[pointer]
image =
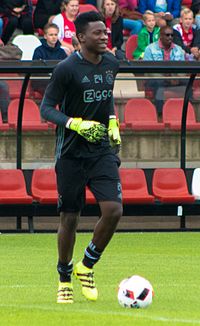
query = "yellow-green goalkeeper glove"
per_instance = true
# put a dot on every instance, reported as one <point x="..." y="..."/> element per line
<point x="92" y="131"/>
<point x="113" y="132"/>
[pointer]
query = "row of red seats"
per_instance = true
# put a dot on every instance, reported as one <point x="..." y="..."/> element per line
<point x="141" y="114"/>
<point x="31" y="117"/>
<point x="168" y="186"/>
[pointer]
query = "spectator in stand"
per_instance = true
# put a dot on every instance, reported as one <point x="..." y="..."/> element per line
<point x="186" y="36"/>
<point x="49" y="50"/>
<point x="45" y="11"/>
<point x="195" y="7"/>
<point x="150" y="33"/>
<point x="7" y="52"/>
<point x="65" y="23"/>
<point x="16" y="14"/>
<point x="114" y="26"/>
<point x="76" y="44"/>
<point x="132" y="19"/>
<point x="166" y="11"/>
<point x="51" y="47"/>
<point x="163" y="50"/>
<point x="1" y="19"/>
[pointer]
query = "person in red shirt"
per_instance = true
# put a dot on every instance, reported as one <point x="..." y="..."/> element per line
<point x="186" y="36"/>
<point x="65" y="23"/>
<point x="114" y="25"/>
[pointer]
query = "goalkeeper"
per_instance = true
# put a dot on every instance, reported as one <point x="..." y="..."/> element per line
<point x="86" y="151"/>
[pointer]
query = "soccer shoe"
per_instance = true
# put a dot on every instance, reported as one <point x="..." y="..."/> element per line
<point x="65" y="293"/>
<point x="86" y="276"/>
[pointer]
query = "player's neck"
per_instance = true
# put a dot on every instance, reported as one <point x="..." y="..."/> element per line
<point x="91" y="57"/>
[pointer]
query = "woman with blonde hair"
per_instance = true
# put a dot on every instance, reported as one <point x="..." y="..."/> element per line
<point x="65" y="23"/>
<point x="114" y="24"/>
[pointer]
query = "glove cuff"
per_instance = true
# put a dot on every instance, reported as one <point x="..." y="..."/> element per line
<point x="75" y="123"/>
<point x="113" y="123"/>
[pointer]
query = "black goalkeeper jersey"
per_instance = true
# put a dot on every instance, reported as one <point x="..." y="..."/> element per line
<point x="80" y="89"/>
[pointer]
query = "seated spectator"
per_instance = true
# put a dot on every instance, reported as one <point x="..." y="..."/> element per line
<point x="132" y="19"/>
<point x="49" y="50"/>
<point x="114" y="25"/>
<point x="45" y="11"/>
<point x="195" y="7"/>
<point x="150" y="33"/>
<point x="16" y="14"/>
<point x="163" y="50"/>
<point x="7" y="52"/>
<point x="165" y="10"/>
<point x="51" y="47"/>
<point x="76" y="44"/>
<point x="1" y="20"/>
<point x="186" y="36"/>
<point x="65" y="23"/>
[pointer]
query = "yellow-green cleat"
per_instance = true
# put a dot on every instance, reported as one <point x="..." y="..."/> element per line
<point x="86" y="276"/>
<point x="65" y="293"/>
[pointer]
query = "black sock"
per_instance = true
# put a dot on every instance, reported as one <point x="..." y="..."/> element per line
<point x="65" y="271"/>
<point x="92" y="255"/>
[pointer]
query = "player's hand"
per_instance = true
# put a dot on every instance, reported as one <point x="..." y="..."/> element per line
<point x="92" y="131"/>
<point x="113" y="132"/>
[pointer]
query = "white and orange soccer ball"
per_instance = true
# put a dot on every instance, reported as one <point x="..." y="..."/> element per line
<point x="135" y="292"/>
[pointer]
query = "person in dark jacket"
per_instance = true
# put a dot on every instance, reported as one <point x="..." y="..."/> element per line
<point x="114" y="25"/>
<point x="186" y="36"/>
<point x="51" y="47"/>
<point x="16" y="14"/>
<point x="49" y="50"/>
<point x="45" y="11"/>
<point x="195" y="7"/>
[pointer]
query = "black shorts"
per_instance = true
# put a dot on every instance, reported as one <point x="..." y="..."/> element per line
<point x="100" y="174"/>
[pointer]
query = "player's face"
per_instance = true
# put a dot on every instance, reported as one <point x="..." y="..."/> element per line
<point x="150" y="22"/>
<point x="109" y="7"/>
<point x="187" y="20"/>
<point x="72" y="8"/>
<point x="95" y="38"/>
<point x="51" y="36"/>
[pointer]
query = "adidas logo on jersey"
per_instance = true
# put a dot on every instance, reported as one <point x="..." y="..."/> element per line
<point x="85" y="80"/>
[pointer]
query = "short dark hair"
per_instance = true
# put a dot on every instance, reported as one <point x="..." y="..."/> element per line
<point x="163" y="29"/>
<point x="50" y="25"/>
<point x="83" y="19"/>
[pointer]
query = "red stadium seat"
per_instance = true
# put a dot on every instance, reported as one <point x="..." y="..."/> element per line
<point x="90" y="199"/>
<point x="31" y="116"/>
<point x="13" y="188"/>
<point x="3" y="126"/>
<point x="14" y="85"/>
<point x="170" y="186"/>
<point x="44" y="187"/>
<point x="134" y="187"/>
<point x="172" y="115"/>
<point x="186" y="3"/>
<point x="140" y="114"/>
<point x="87" y="7"/>
<point x="131" y="45"/>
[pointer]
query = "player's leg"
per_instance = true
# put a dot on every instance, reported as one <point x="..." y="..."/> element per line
<point x="107" y="190"/>
<point x="70" y="189"/>
<point x="106" y="226"/>
<point x="66" y="241"/>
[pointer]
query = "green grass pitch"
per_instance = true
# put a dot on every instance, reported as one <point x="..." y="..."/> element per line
<point x="170" y="261"/>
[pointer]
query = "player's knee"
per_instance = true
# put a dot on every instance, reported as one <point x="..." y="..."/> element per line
<point x="69" y="220"/>
<point x="115" y="213"/>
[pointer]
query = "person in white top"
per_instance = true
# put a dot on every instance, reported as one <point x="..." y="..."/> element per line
<point x="65" y="22"/>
